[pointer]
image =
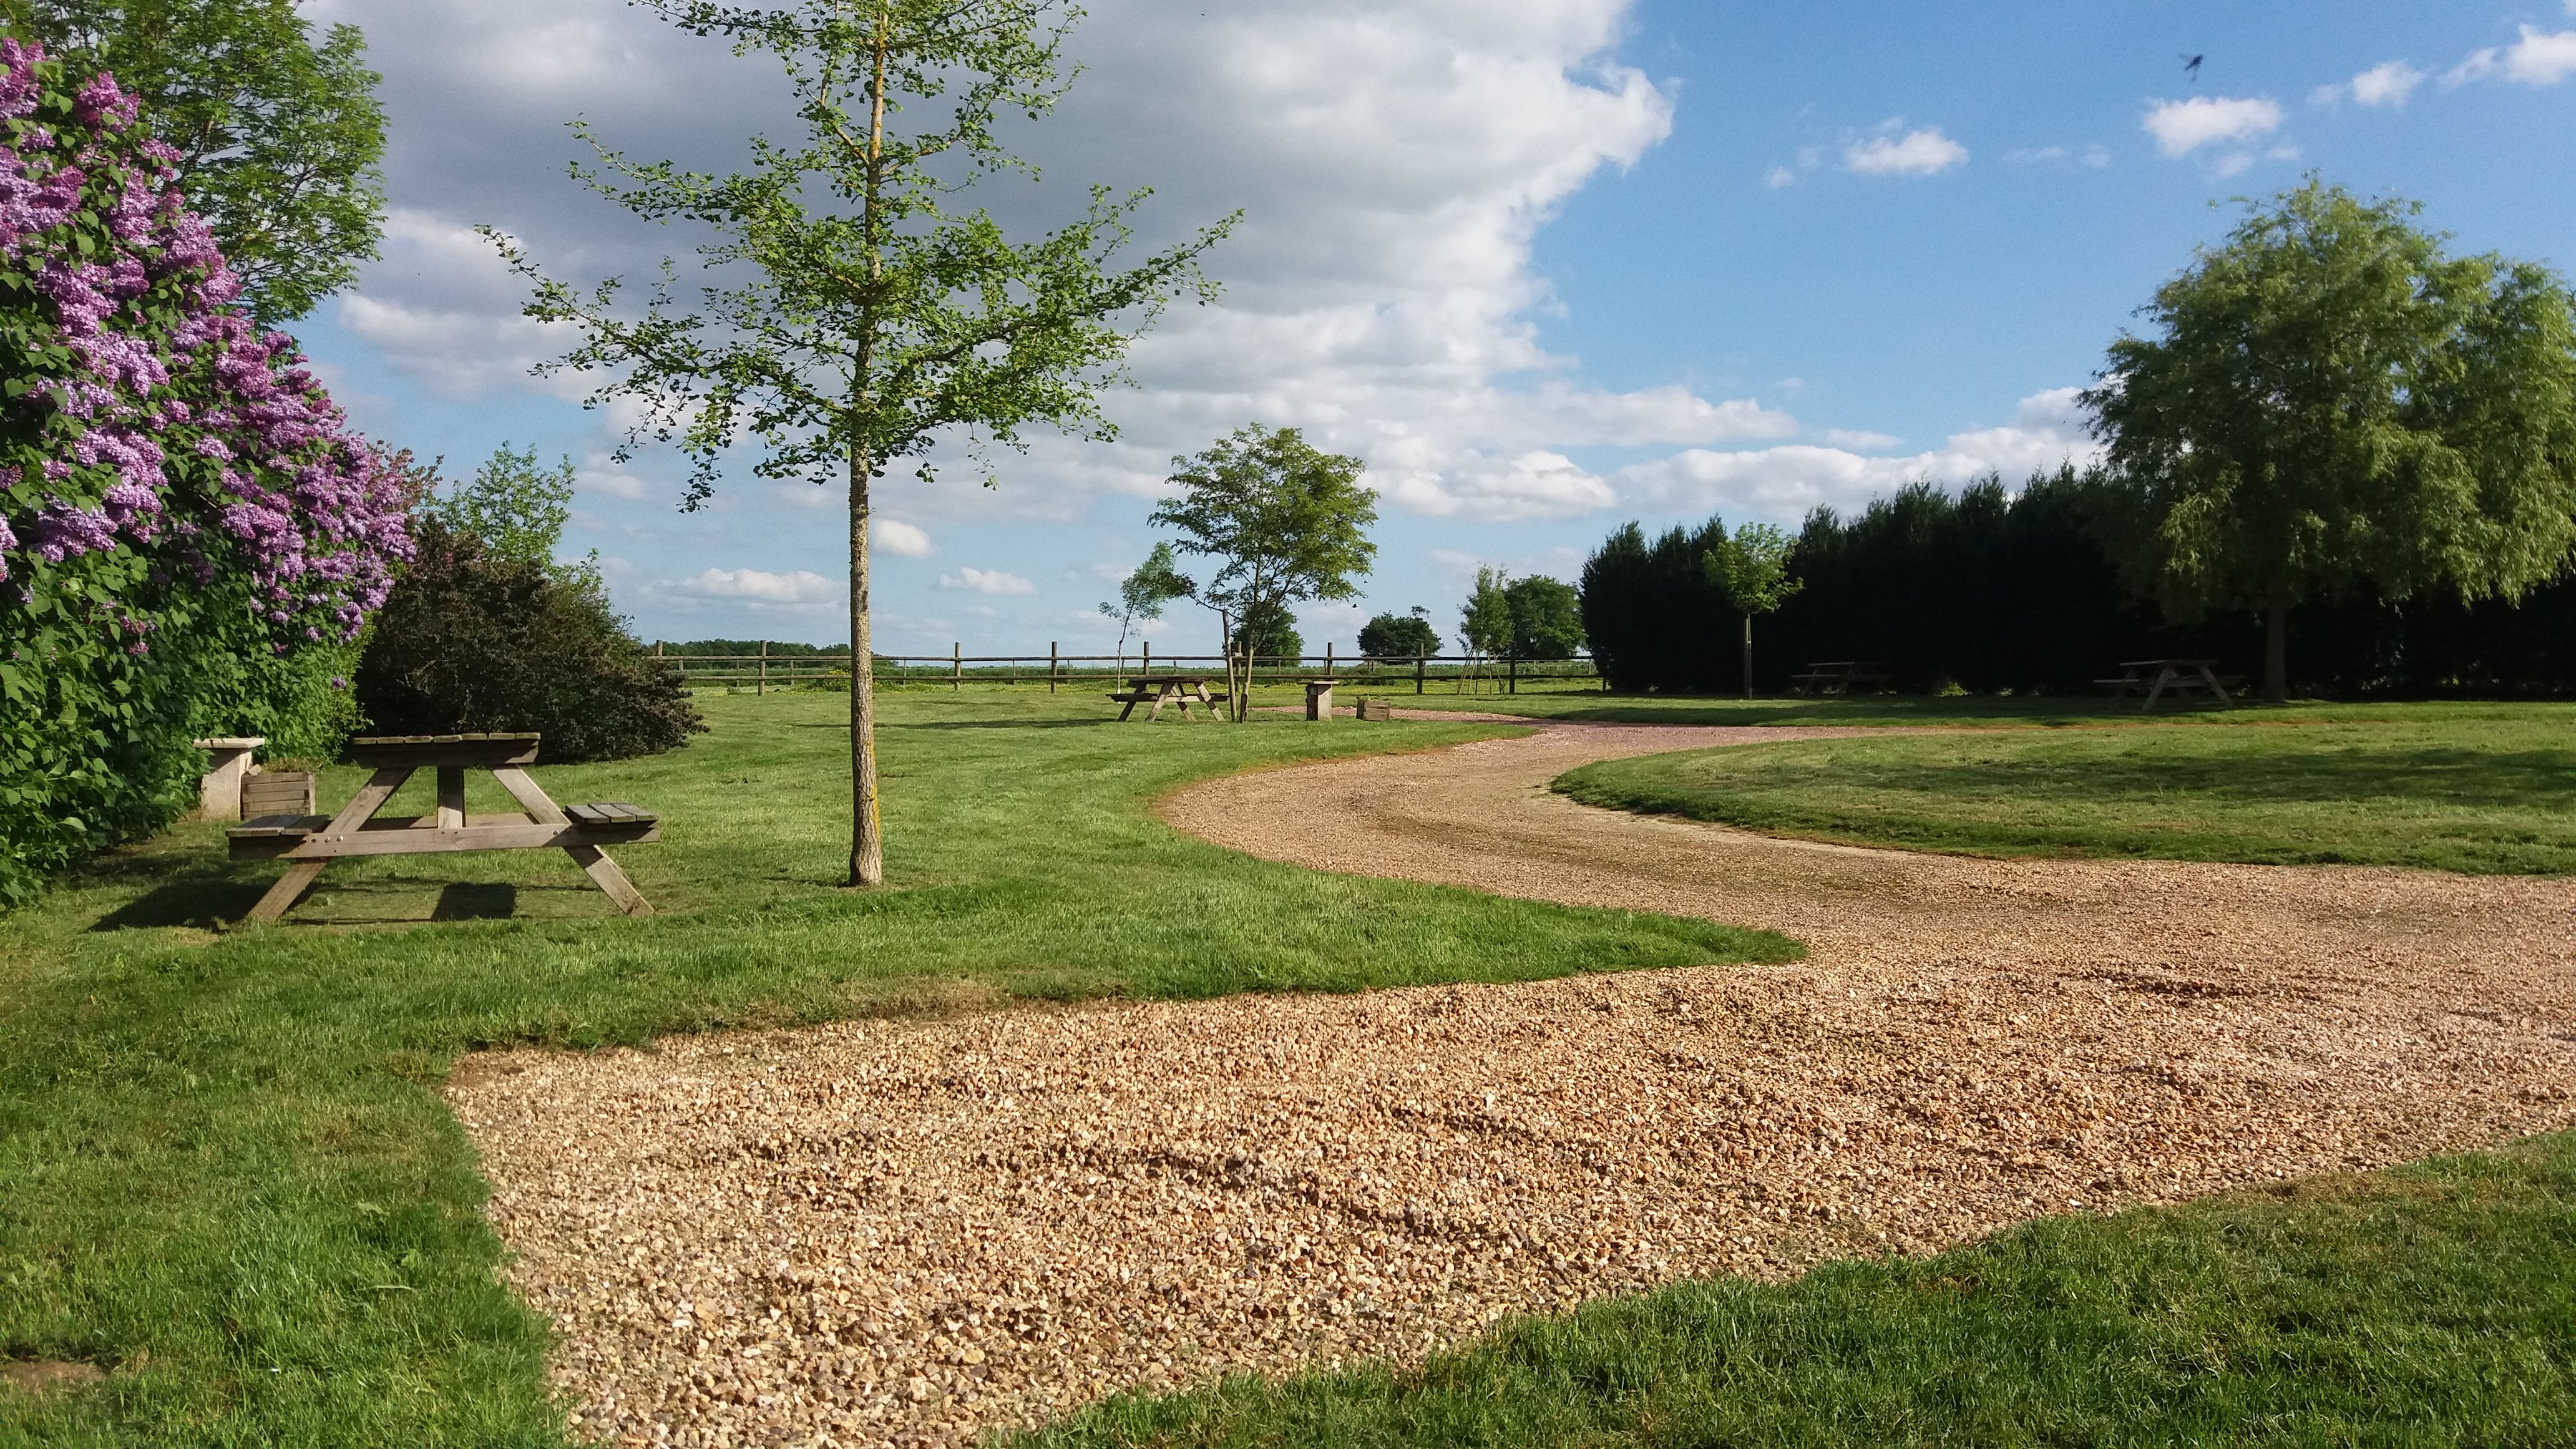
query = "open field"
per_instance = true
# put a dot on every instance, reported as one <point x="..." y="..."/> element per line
<point x="2430" y="1304"/>
<point x="225" y="1171"/>
<point x="2450" y="789"/>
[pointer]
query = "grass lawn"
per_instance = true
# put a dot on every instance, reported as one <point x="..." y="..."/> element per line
<point x="2430" y="1305"/>
<point x="2477" y="788"/>
<point x="224" y="1169"/>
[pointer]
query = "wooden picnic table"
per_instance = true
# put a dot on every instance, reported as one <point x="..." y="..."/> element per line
<point x="310" y="842"/>
<point x="2179" y="677"/>
<point x="1162" y="689"/>
<point x="1842" y="676"/>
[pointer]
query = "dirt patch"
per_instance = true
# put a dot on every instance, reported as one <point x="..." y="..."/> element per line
<point x="915" y="1231"/>
<point x="49" y="1375"/>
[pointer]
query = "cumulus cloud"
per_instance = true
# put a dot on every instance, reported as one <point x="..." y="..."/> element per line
<point x="1921" y="152"/>
<point x="2181" y="127"/>
<point x="892" y="535"/>
<point x="1860" y="438"/>
<point x="1535" y="484"/>
<point x="1779" y="176"/>
<point x="987" y="581"/>
<point x="1394" y="162"/>
<point x="760" y="586"/>
<point x="2539" y="58"/>
<point x="2386" y="84"/>
<point x="2093" y="157"/>
<point x="1781" y="484"/>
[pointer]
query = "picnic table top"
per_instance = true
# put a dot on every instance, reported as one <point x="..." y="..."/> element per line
<point x="2161" y="663"/>
<point x="470" y="750"/>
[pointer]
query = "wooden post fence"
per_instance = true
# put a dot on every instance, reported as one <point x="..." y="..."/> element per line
<point x="956" y="667"/>
<point x="1050" y="666"/>
<point x="1417" y="674"/>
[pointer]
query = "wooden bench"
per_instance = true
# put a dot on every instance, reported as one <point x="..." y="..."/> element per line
<point x="287" y="792"/>
<point x="2181" y="678"/>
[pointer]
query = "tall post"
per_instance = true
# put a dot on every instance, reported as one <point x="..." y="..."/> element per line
<point x="1328" y="659"/>
<point x="1512" y="664"/>
<point x="1148" y="661"/>
<point x="956" y="666"/>
<point x="867" y="828"/>
<point x="762" y="686"/>
<point x="1050" y="666"/>
<point x="1417" y="674"/>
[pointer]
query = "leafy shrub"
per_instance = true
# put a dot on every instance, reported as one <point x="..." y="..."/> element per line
<point x="1547" y="618"/>
<point x="189" y="535"/>
<point x="473" y="640"/>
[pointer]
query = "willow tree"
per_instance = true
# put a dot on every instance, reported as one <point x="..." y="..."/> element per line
<point x="855" y="313"/>
<point x="2328" y="402"/>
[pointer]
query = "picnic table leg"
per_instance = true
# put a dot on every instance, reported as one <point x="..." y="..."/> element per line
<point x="282" y="896"/>
<point x="604" y="873"/>
<point x="1156" y="712"/>
<point x="540" y="806"/>
<point x="300" y="874"/>
<point x="1130" y="708"/>
<point x="2162" y="676"/>
<point x="451" y="797"/>
<point x="2212" y="681"/>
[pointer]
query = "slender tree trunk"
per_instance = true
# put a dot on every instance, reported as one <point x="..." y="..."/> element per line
<point x="2276" y="650"/>
<point x="867" y="832"/>
<point x="1748" y="656"/>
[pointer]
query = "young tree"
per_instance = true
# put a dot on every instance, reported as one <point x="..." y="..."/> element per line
<point x="278" y="137"/>
<point x="1390" y="637"/>
<point x="1285" y="521"/>
<point x="516" y="508"/>
<point x="2328" y="401"/>
<point x="857" y="315"/>
<point x="1485" y="623"/>
<point x="1547" y="618"/>
<point x="1156" y="582"/>
<point x="1753" y="568"/>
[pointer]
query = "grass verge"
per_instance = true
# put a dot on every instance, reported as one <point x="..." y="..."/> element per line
<point x="2488" y="789"/>
<point x="2431" y="1304"/>
<point x="225" y="1172"/>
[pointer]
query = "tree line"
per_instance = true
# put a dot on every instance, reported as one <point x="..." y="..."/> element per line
<point x="2334" y="434"/>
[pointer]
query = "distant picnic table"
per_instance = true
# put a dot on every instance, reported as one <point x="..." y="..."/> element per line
<point x="1162" y="689"/>
<point x="310" y="842"/>
<point x="2181" y="678"/>
<point x="1843" y="676"/>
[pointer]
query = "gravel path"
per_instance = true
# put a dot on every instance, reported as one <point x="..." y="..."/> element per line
<point x="911" y="1232"/>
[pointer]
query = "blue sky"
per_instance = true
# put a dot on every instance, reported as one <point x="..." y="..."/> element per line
<point x="1546" y="267"/>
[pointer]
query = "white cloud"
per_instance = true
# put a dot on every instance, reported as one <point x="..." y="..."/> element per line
<point x="759" y="586"/>
<point x="1922" y="152"/>
<point x="1782" y="484"/>
<point x="1859" y="438"/>
<point x="1394" y="162"/>
<point x="1534" y="484"/>
<point x="2093" y="157"/>
<point x="2539" y="58"/>
<point x="2386" y="84"/>
<point x="1779" y="176"/>
<point x="987" y="581"/>
<point x="893" y="535"/>
<point x="2181" y="127"/>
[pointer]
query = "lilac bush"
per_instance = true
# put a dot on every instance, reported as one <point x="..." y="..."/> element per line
<point x="191" y="536"/>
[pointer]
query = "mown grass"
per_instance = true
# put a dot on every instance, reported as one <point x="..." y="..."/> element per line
<point x="225" y="1172"/>
<point x="2430" y="1305"/>
<point x="2485" y="790"/>
<point x="2045" y="711"/>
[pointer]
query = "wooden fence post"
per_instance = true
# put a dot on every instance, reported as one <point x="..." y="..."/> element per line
<point x="1417" y="674"/>
<point x="956" y="666"/>
<point x="1148" y="665"/>
<point x="762" y="687"/>
<point x="1050" y="666"/>
<point x="1513" y="664"/>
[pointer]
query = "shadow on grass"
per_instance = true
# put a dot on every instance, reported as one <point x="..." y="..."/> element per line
<point x="476" y="901"/>
<point x="205" y="900"/>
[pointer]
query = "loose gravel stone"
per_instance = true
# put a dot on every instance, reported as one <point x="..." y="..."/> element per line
<point x="915" y="1232"/>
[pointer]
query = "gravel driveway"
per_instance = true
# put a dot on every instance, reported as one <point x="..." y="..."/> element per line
<point x="912" y="1232"/>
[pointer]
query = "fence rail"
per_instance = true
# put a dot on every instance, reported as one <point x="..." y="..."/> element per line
<point x="1459" y="673"/>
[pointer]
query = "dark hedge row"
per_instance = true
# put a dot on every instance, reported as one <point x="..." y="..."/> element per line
<point x="1991" y="591"/>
